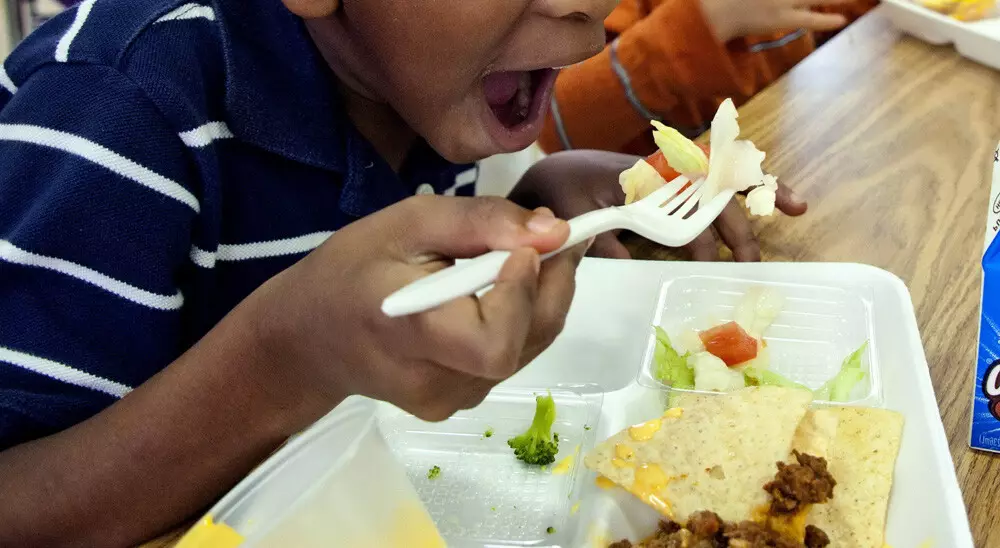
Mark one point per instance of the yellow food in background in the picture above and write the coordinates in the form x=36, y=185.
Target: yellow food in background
x=208, y=534
x=962, y=10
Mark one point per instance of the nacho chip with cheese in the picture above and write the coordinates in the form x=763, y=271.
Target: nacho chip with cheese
x=715, y=453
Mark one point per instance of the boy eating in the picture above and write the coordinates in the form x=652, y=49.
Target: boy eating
x=202, y=206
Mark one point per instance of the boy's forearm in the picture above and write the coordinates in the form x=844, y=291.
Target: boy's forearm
x=161, y=453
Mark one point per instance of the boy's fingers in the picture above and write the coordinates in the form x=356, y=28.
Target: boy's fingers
x=608, y=246
x=788, y=202
x=506, y=312
x=704, y=248
x=467, y=227
x=737, y=233
x=556, y=287
x=811, y=20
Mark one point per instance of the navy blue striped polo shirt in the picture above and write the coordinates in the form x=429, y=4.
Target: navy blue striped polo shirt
x=159, y=160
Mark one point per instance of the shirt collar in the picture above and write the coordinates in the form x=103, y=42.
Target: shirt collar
x=280, y=94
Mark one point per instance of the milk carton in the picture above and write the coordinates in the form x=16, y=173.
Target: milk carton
x=985, y=432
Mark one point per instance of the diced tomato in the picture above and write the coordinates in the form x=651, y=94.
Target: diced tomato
x=661, y=166
x=730, y=343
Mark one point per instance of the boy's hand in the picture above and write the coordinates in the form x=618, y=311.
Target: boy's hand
x=329, y=337
x=734, y=18
x=575, y=182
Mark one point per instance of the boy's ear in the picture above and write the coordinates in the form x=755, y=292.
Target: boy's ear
x=312, y=9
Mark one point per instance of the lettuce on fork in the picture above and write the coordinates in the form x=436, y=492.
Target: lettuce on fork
x=681, y=153
x=732, y=164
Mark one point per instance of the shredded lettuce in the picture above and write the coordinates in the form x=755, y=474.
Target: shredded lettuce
x=682, y=155
x=838, y=389
x=758, y=310
x=640, y=181
x=711, y=373
x=763, y=377
x=671, y=368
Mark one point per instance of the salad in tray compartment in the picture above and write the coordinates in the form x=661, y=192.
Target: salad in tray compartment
x=708, y=354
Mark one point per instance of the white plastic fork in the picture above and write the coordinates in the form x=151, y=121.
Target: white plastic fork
x=663, y=217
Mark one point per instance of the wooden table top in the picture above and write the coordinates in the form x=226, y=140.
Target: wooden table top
x=891, y=141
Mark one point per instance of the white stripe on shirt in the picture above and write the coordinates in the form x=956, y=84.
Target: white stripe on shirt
x=93, y=152
x=466, y=177
x=82, y=12
x=258, y=250
x=202, y=136
x=189, y=11
x=5, y=81
x=12, y=254
x=63, y=372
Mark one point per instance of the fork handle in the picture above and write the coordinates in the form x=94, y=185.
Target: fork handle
x=469, y=277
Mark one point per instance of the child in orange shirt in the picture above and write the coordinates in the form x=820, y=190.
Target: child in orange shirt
x=676, y=60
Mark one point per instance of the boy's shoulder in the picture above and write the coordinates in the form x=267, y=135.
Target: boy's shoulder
x=172, y=51
x=109, y=32
x=196, y=60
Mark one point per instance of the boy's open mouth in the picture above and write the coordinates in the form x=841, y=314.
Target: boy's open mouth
x=517, y=97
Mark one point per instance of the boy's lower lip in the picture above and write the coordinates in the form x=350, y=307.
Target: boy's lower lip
x=526, y=132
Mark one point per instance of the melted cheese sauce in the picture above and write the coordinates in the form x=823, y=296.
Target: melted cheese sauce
x=624, y=452
x=604, y=483
x=674, y=413
x=645, y=431
x=650, y=480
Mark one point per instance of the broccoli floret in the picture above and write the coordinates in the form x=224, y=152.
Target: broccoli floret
x=434, y=472
x=538, y=445
x=488, y=433
x=550, y=530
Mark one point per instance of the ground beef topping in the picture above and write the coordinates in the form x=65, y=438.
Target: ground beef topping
x=794, y=487
x=808, y=482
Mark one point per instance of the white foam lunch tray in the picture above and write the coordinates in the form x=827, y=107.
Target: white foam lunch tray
x=592, y=371
x=975, y=40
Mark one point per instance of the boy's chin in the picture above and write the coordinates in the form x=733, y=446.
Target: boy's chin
x=471, y=145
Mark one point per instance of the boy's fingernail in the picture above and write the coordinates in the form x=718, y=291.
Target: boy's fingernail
x=542, y=224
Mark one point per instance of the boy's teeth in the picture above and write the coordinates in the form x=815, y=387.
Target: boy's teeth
x=523, y=98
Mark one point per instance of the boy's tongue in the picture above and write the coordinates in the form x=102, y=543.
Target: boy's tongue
x=500, y=87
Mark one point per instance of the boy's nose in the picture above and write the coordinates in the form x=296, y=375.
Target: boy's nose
x=583, y=10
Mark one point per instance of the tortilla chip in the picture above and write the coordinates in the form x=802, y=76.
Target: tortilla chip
x=814, y=436
x=862, y=459
x=717, y=455
x=815, y=433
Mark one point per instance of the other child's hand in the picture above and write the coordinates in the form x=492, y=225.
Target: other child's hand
x=734, y=18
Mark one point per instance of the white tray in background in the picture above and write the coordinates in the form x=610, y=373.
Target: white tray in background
x=975, y=40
